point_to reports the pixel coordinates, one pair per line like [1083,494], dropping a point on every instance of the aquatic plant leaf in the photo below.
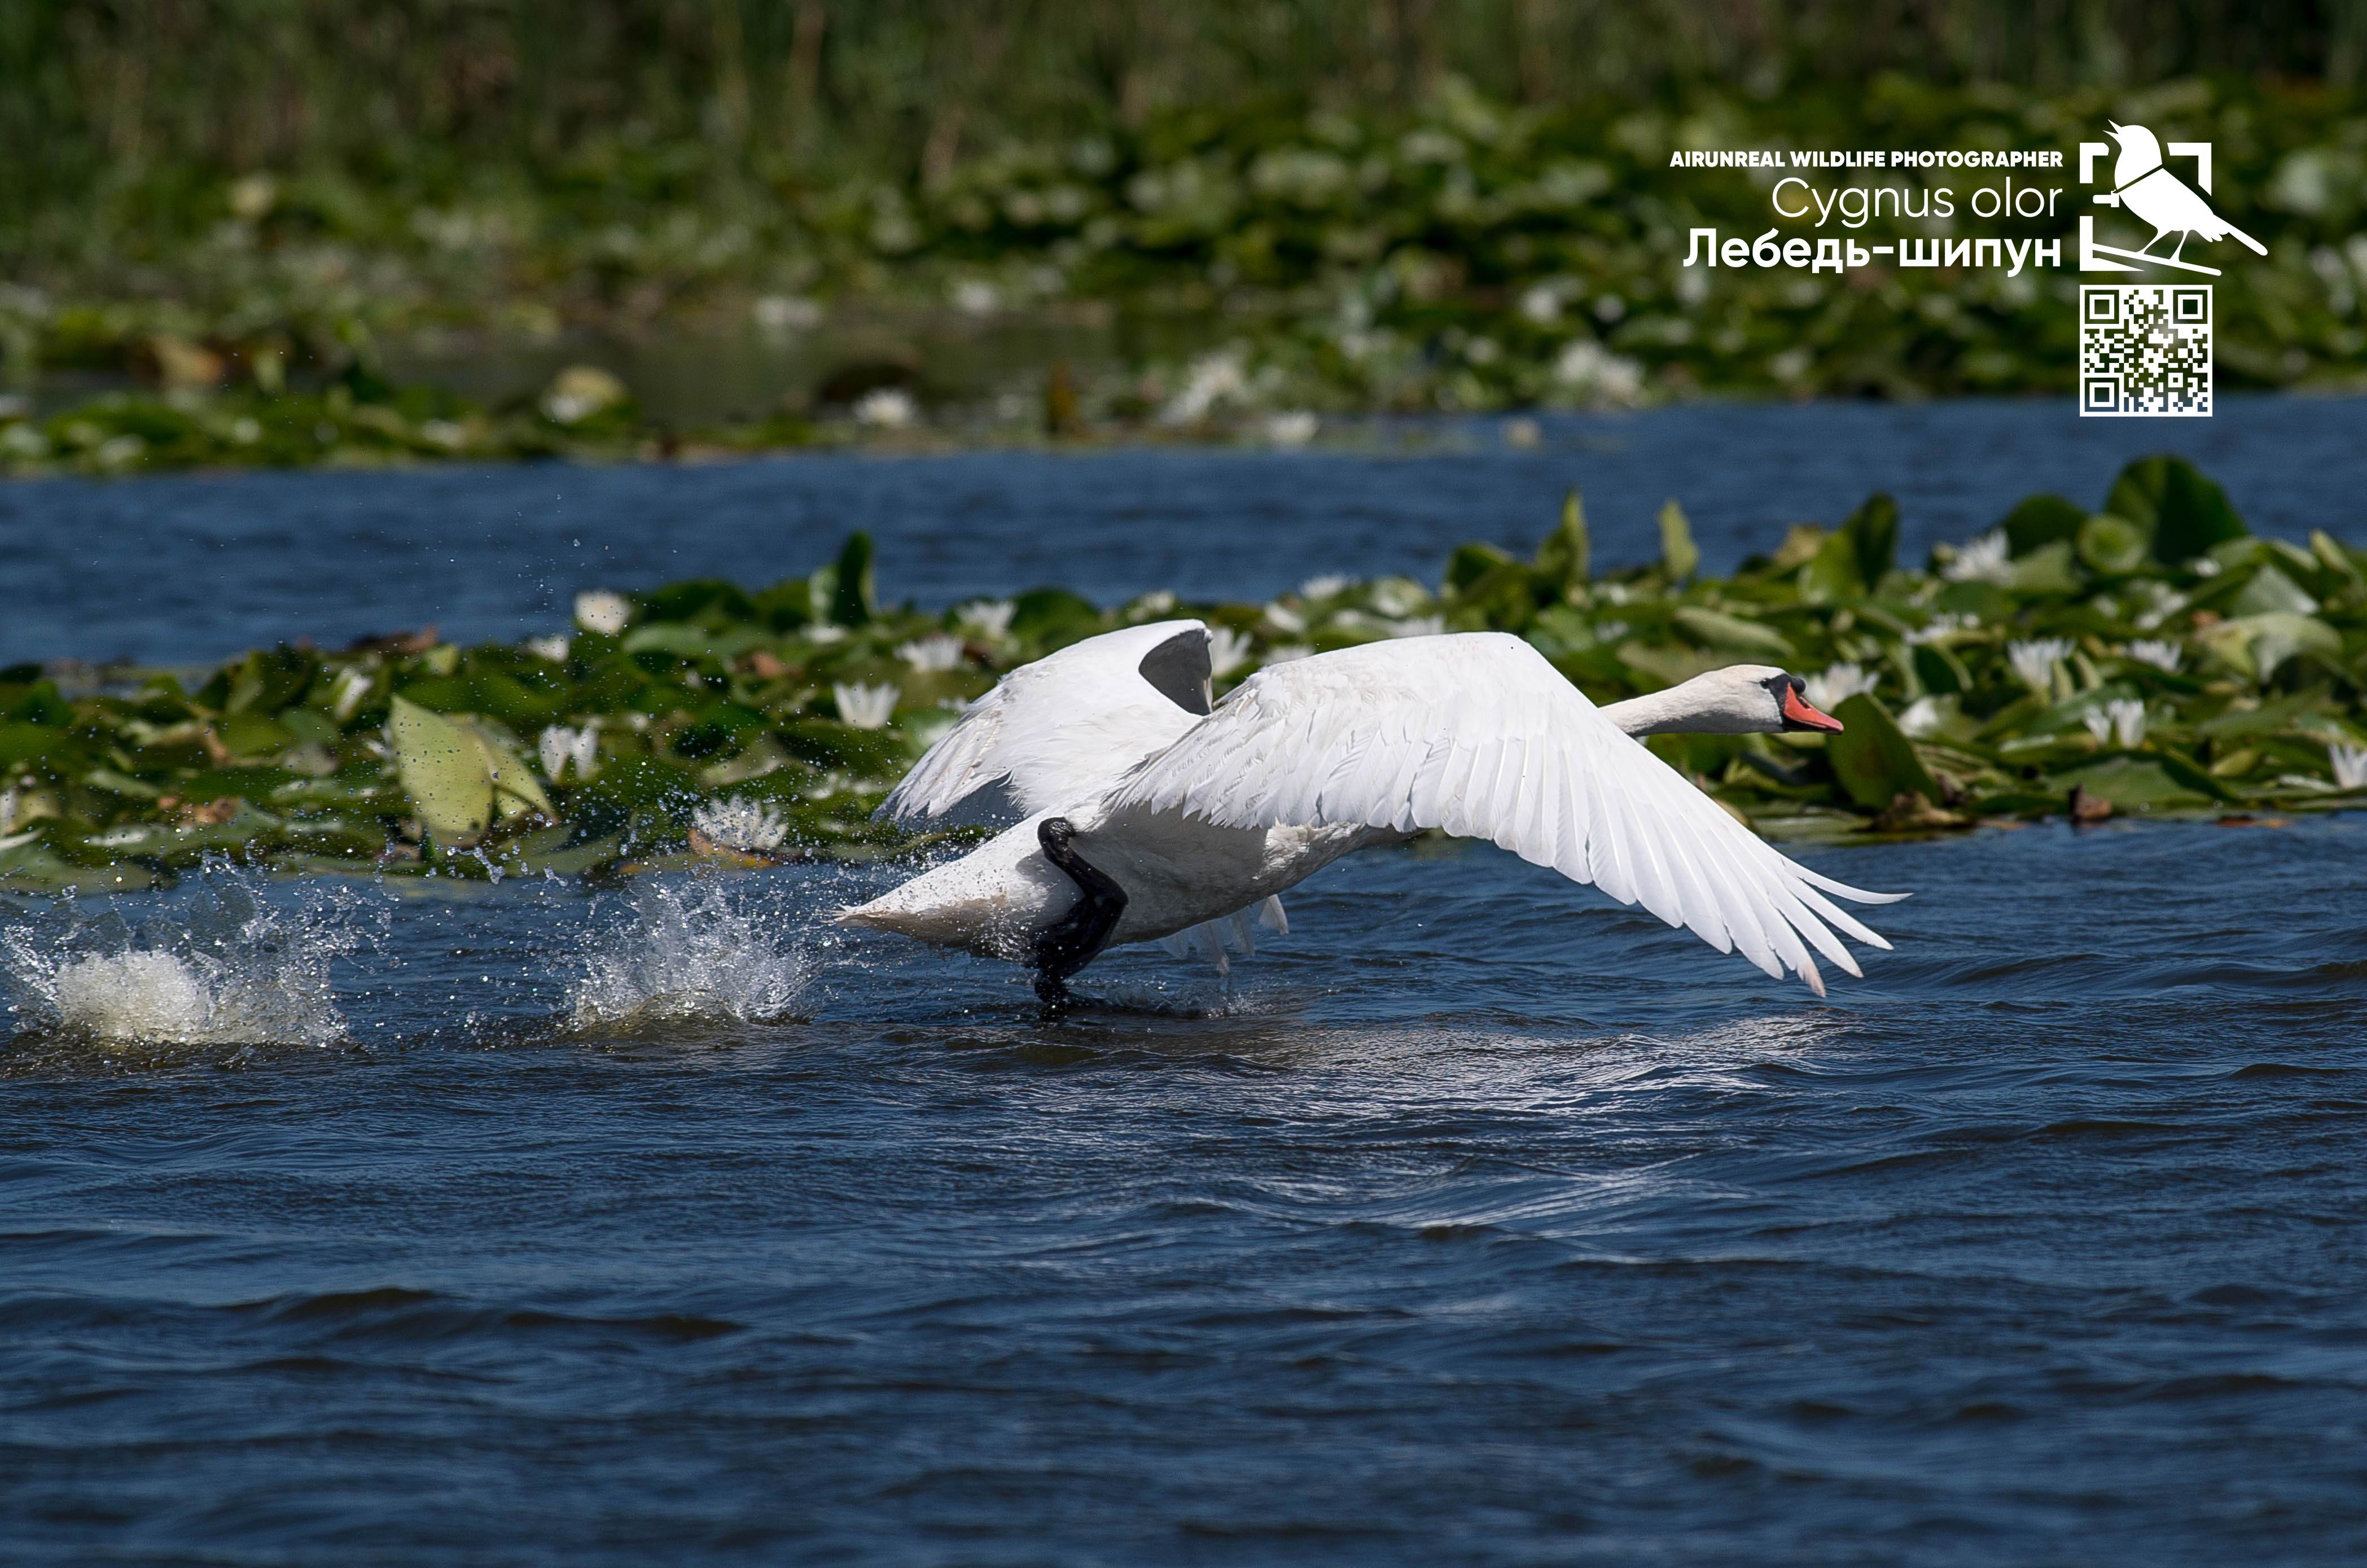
[460,779]
[443,770]
[45,744]
[1832,574]
[1470,563]
[2274,638]
[2342,561]
[1679,555]
[2111,544]
[1564,557]
[253,734]
[2184,513]
[1502,599]
[2049,568]
[2135,784]
[2270,592]
[854,591]
[1873,759]
[1051,617]
[1940,671]
[2039,520]
[1717,630]
[1872,534]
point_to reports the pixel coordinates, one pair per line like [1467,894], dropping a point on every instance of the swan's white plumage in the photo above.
[1050,735]
[1479,736]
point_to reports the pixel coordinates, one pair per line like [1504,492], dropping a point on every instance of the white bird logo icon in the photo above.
[2152,193]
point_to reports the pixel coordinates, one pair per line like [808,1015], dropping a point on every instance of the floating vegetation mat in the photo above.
[2148,656]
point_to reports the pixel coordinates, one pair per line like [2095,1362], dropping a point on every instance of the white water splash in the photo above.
[235,970]
[704,948]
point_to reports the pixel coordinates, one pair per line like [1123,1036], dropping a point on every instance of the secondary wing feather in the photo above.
[1055,732]
[1477,735]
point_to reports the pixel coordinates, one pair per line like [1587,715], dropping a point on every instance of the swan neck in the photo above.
[1671,712]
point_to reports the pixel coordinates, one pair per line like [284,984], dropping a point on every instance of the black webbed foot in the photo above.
[1070,942]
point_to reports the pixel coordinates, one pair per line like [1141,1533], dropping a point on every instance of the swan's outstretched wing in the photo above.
[1055,732]
[1478,735]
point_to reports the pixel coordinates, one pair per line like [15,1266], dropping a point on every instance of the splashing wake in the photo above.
[235,970]
[703,949]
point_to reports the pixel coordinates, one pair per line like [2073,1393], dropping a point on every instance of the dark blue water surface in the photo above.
[1478,1220]
[192,570]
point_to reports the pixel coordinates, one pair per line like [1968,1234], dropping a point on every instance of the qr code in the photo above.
[2144,349]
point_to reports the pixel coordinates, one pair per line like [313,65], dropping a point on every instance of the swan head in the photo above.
[1741,699]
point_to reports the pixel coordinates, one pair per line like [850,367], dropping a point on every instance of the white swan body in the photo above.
[1474,735]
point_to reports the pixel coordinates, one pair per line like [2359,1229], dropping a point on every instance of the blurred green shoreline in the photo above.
[1180,271]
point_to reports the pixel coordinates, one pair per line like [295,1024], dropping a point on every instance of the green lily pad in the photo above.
[2170,499]
[1717,629]
[1564,557]
[2135,784]
[461,777]
[2042,520]
[2111,544]
[1679,555]
[1873,759]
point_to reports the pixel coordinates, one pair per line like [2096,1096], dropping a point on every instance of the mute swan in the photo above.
[1140,812]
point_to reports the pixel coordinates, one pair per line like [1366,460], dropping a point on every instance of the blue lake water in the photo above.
[191,570]
[1476,1220]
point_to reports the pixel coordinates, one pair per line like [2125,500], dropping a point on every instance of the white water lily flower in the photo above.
[1159,601]
[1921,717]
[1330,585]
[2162,601]
[2034,660]
[552,648]
[986,619]
[749,826]
[935,652]
[2350,765]
[1419,626]
[1287,654]
[1607,631]
[346,695]
[2123,719]
[1838,685]
[1942,625]
[824,633]
[1983,560]
[2128,716]
[1398,596]
[598,610]
[2160,653]
[1585,366]
[1228,650]
[1295,428]
[865,707]
[561,745]
[1213,379]
[886,408]
[1285,620]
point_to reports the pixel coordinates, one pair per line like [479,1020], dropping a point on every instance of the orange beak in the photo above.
[1800,711]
